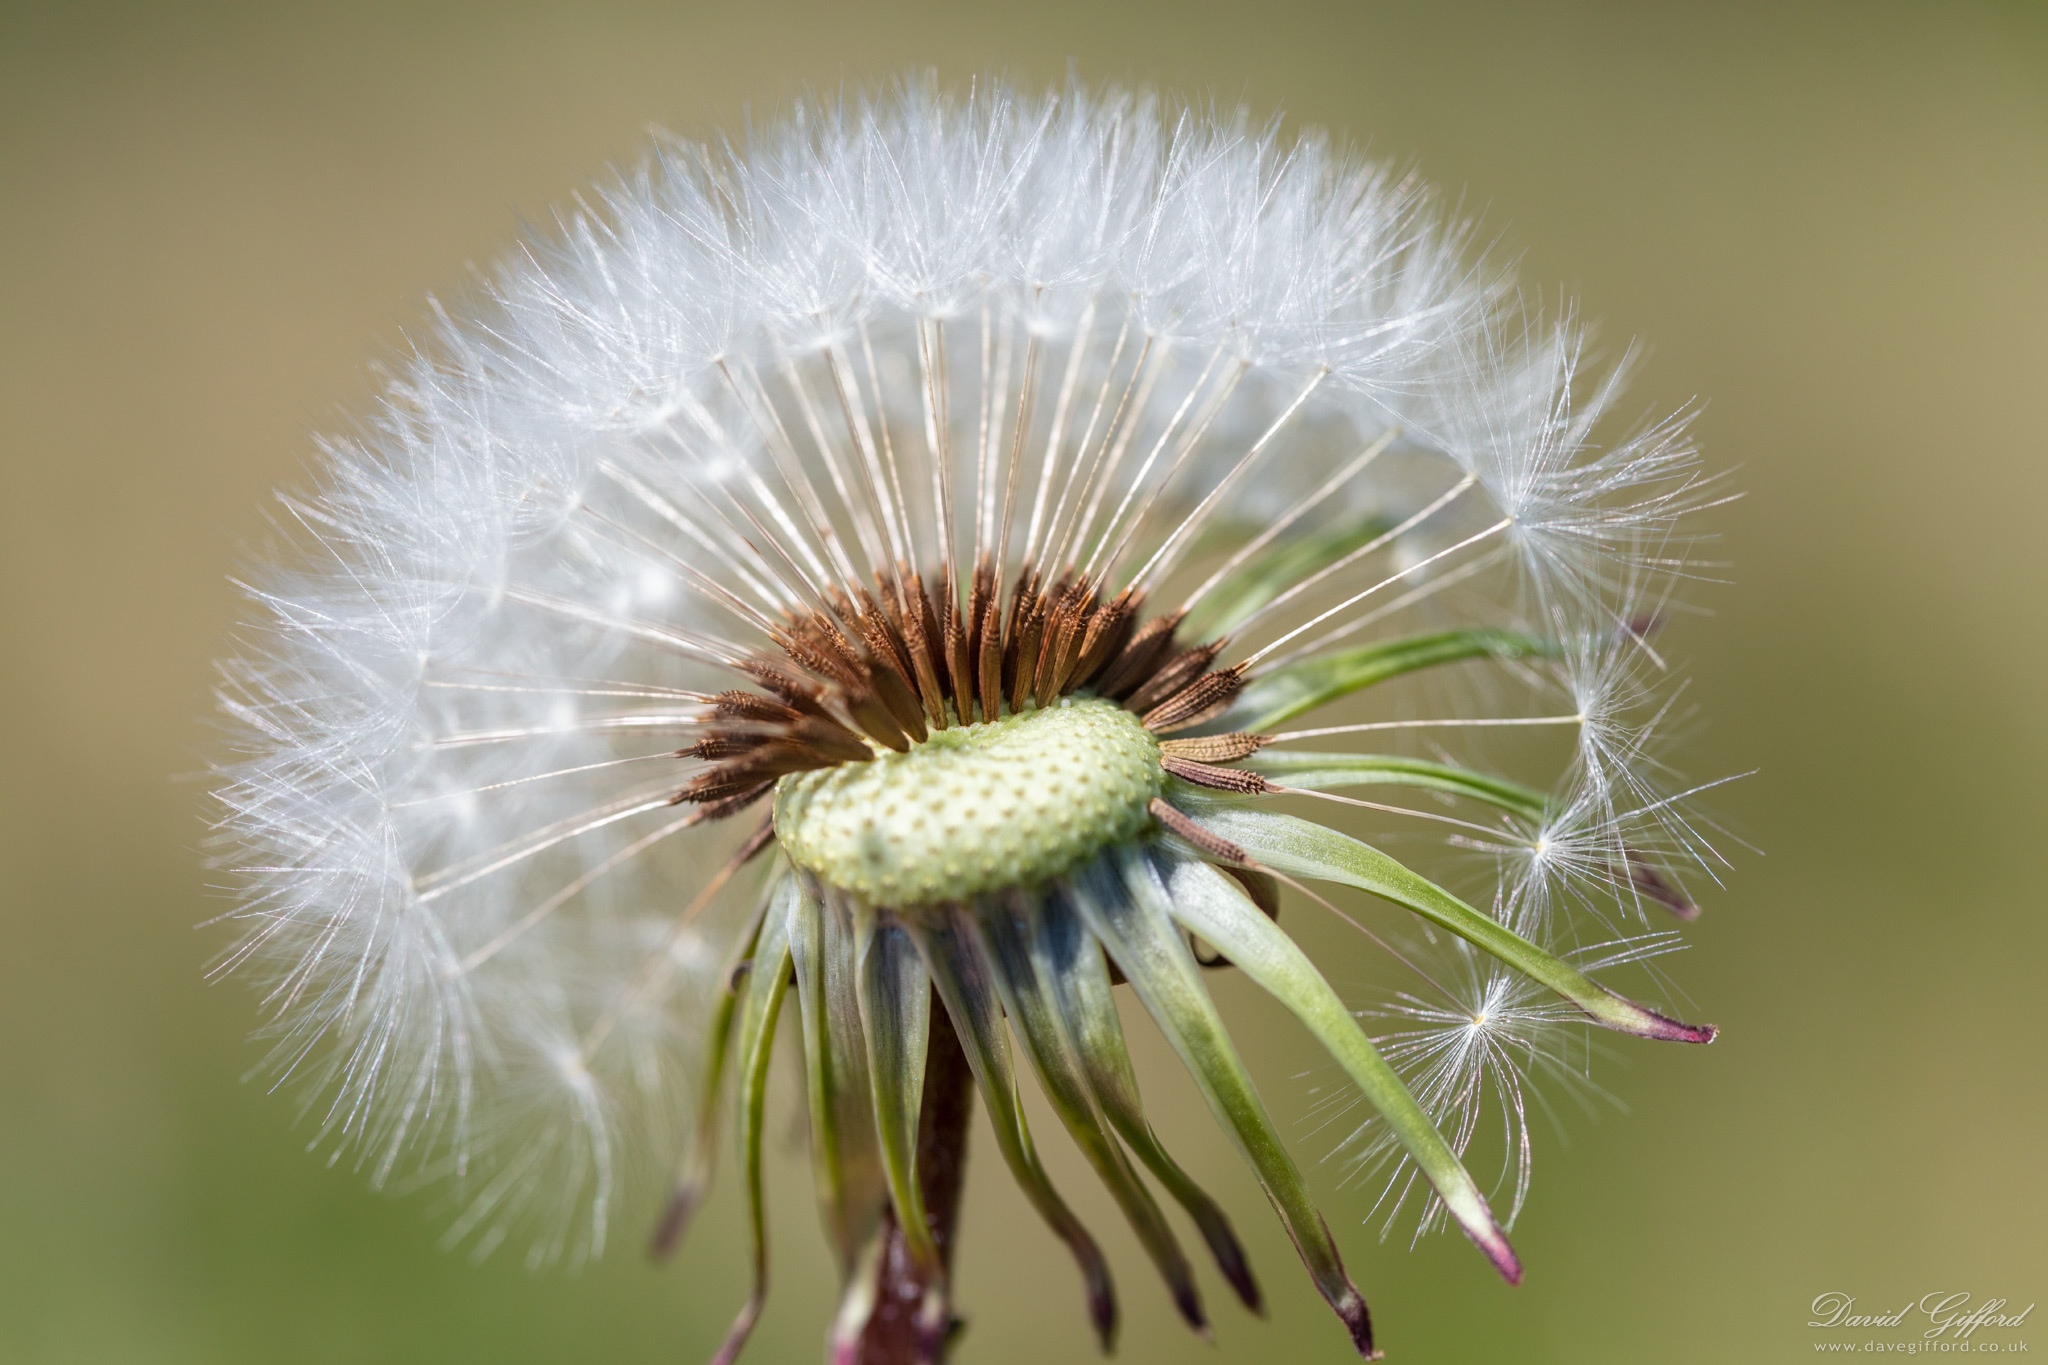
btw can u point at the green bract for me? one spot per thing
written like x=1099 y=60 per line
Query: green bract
x=975 y=808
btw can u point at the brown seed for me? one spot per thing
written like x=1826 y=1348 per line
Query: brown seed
x=913 y=610
x=990 y=679
x=1176 y=673
x=928 y=623
x=959 y=661
x=1196 y=703
x=740 y=705
x=733 y=805
x=1023 y=599
x=1029 y=641
x=1140 y=658
x=830 y=738
x=1220 y=779
x=725 y=744
x=1109 y=630
x=1179 y=824
x=1215 y=748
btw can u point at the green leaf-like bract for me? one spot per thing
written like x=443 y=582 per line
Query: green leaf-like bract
x=1210 y=905
x=1126 y=907
x=1292 y=689
x=1307 y=849
x=844 y=1162
x=1021 y=975
x=963 y=979
x=1081 y=990
x=895 y=1013
x=767 y=983
x=1324 y=771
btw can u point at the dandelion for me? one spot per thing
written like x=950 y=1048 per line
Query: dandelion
x=894 y=568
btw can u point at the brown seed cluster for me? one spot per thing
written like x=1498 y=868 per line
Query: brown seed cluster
x=883 y=669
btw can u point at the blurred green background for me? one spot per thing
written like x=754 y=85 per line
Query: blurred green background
x=1830 y=220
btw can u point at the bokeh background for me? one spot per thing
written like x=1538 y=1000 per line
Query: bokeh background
x=1831 y=221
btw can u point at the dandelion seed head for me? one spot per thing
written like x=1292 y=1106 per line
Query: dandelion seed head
x=829 y=492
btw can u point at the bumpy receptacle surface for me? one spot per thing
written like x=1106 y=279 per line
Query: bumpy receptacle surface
x=975 y=808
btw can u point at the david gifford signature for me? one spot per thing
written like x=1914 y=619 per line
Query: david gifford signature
x=1945 y=1313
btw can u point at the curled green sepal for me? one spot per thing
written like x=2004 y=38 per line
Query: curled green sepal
x=1081 y=989
x=1323 y=771
x=767 y=982
x=1307 y=849
x=1288 y=691
x=844 y=1162
x=1006 y=937
x=1209 y=904
x=962 y=978
x=895 y=1014
x=1125 y=906
x=693 y=1172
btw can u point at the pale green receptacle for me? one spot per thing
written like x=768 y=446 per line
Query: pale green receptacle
x=975 y=808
